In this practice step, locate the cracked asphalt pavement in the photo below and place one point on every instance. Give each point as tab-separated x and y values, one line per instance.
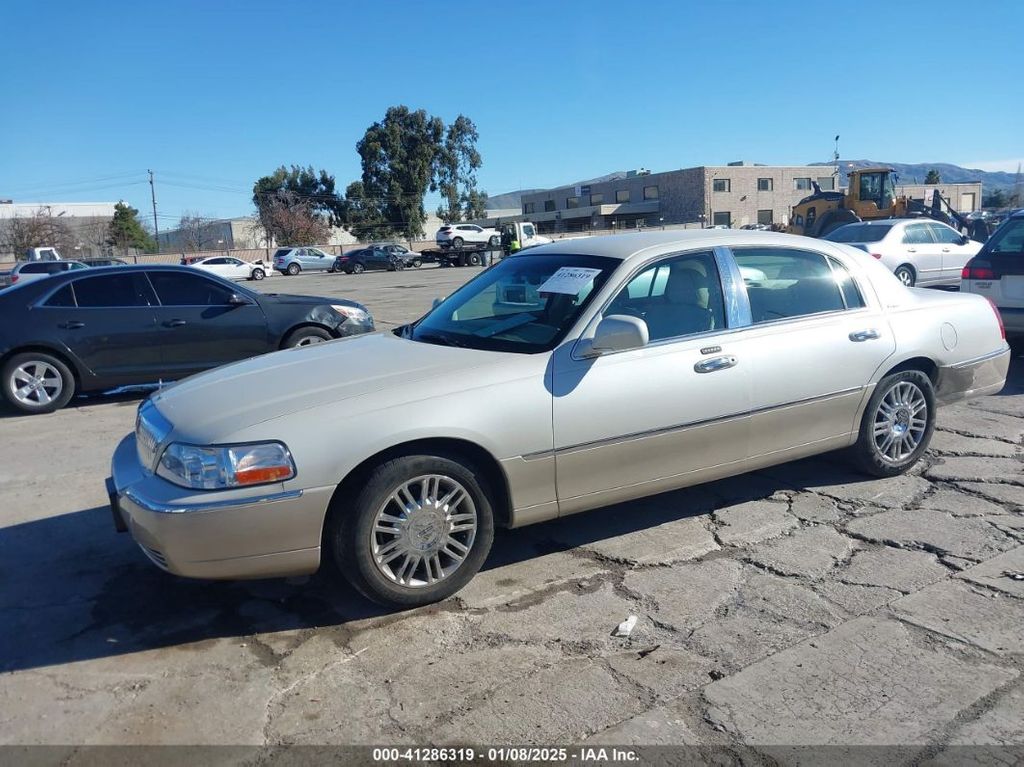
803	604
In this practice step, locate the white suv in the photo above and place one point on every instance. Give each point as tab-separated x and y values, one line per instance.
458	236
997	273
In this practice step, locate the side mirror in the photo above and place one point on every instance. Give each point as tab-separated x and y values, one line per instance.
964	239
619	332
436	303
237	300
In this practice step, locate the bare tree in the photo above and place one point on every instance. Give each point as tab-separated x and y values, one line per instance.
292	220
194	229
40	229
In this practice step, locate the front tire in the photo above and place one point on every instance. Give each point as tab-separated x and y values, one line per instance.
306	337
35	382
905	274
357	268
417	532
258	274
457	243
897	425
473	259
416	263
294	269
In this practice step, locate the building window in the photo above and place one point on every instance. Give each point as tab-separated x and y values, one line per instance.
765	184
528	207
722	218
549	205
597	199
650	193
827	183
572	202
622	195
764	216
802	184
721	185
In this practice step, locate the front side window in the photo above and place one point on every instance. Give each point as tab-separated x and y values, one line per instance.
524	304
783	283
114	290
944	234
528	230
677	297
175	289
1007	239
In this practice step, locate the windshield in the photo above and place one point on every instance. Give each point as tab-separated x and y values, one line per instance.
523	304
859	233
1007	239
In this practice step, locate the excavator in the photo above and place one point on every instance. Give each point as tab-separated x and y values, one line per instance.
872	195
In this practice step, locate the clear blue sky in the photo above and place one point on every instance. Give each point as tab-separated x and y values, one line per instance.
213	94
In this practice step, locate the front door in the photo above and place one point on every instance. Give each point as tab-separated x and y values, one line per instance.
200	327
815	342
922	252
646	420
954	252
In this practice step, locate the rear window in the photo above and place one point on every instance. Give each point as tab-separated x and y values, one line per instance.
1007	239
42	267
859	233
282	252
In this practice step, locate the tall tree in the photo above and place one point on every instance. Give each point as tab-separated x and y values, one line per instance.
474	204
38	230
932	177
455	170
403	156
126	231
296	199
194	230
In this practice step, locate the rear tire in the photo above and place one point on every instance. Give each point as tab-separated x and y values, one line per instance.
294	269
494	241
36	382
457	243
439	542
306	337
473	259
897	424
905	274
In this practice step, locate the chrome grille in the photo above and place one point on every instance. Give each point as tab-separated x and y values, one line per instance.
151	429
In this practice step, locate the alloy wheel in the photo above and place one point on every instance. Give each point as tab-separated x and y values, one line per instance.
309	340
36	383
424	531
901	419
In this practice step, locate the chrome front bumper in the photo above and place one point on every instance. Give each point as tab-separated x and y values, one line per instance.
259	532
973	378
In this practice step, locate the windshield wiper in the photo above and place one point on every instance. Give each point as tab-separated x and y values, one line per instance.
437	338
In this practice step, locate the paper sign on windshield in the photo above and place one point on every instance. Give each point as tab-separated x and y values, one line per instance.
569	280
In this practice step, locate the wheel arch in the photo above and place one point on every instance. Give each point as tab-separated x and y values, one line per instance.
299	326
920	363
62	355
480	457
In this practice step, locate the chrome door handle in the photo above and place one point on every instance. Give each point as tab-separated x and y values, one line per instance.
714	364
945	250
865	335
175	323
911	250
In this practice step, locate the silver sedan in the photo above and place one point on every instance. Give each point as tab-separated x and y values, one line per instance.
575	375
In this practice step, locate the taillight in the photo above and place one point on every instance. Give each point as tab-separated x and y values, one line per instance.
999	317
978	270
877	255
14	278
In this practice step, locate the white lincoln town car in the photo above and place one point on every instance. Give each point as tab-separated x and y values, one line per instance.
572	376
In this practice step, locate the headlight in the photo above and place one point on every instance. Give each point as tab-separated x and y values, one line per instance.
352	312
217	468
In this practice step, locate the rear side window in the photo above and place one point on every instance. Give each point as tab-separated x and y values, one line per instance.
917	234
847	285
1007	239
188	290
785	283
42	267
62	298
113	290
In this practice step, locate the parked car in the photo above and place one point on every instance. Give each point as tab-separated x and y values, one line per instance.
231	268
98	329
458	236
918	251
997	273
104	262
376	257
632	364
28	271
294	260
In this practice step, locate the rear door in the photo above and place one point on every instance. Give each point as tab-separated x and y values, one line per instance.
199	326
108	322
815	341
922	252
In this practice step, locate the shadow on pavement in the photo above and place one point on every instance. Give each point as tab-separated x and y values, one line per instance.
75	590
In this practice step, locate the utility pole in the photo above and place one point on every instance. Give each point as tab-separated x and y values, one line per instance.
156	226
835	159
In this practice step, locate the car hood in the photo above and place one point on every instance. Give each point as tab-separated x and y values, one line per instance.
210	406
288	298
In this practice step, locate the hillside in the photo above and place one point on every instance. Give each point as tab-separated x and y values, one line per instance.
950	174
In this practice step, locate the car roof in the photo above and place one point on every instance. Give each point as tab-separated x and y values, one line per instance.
643	244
